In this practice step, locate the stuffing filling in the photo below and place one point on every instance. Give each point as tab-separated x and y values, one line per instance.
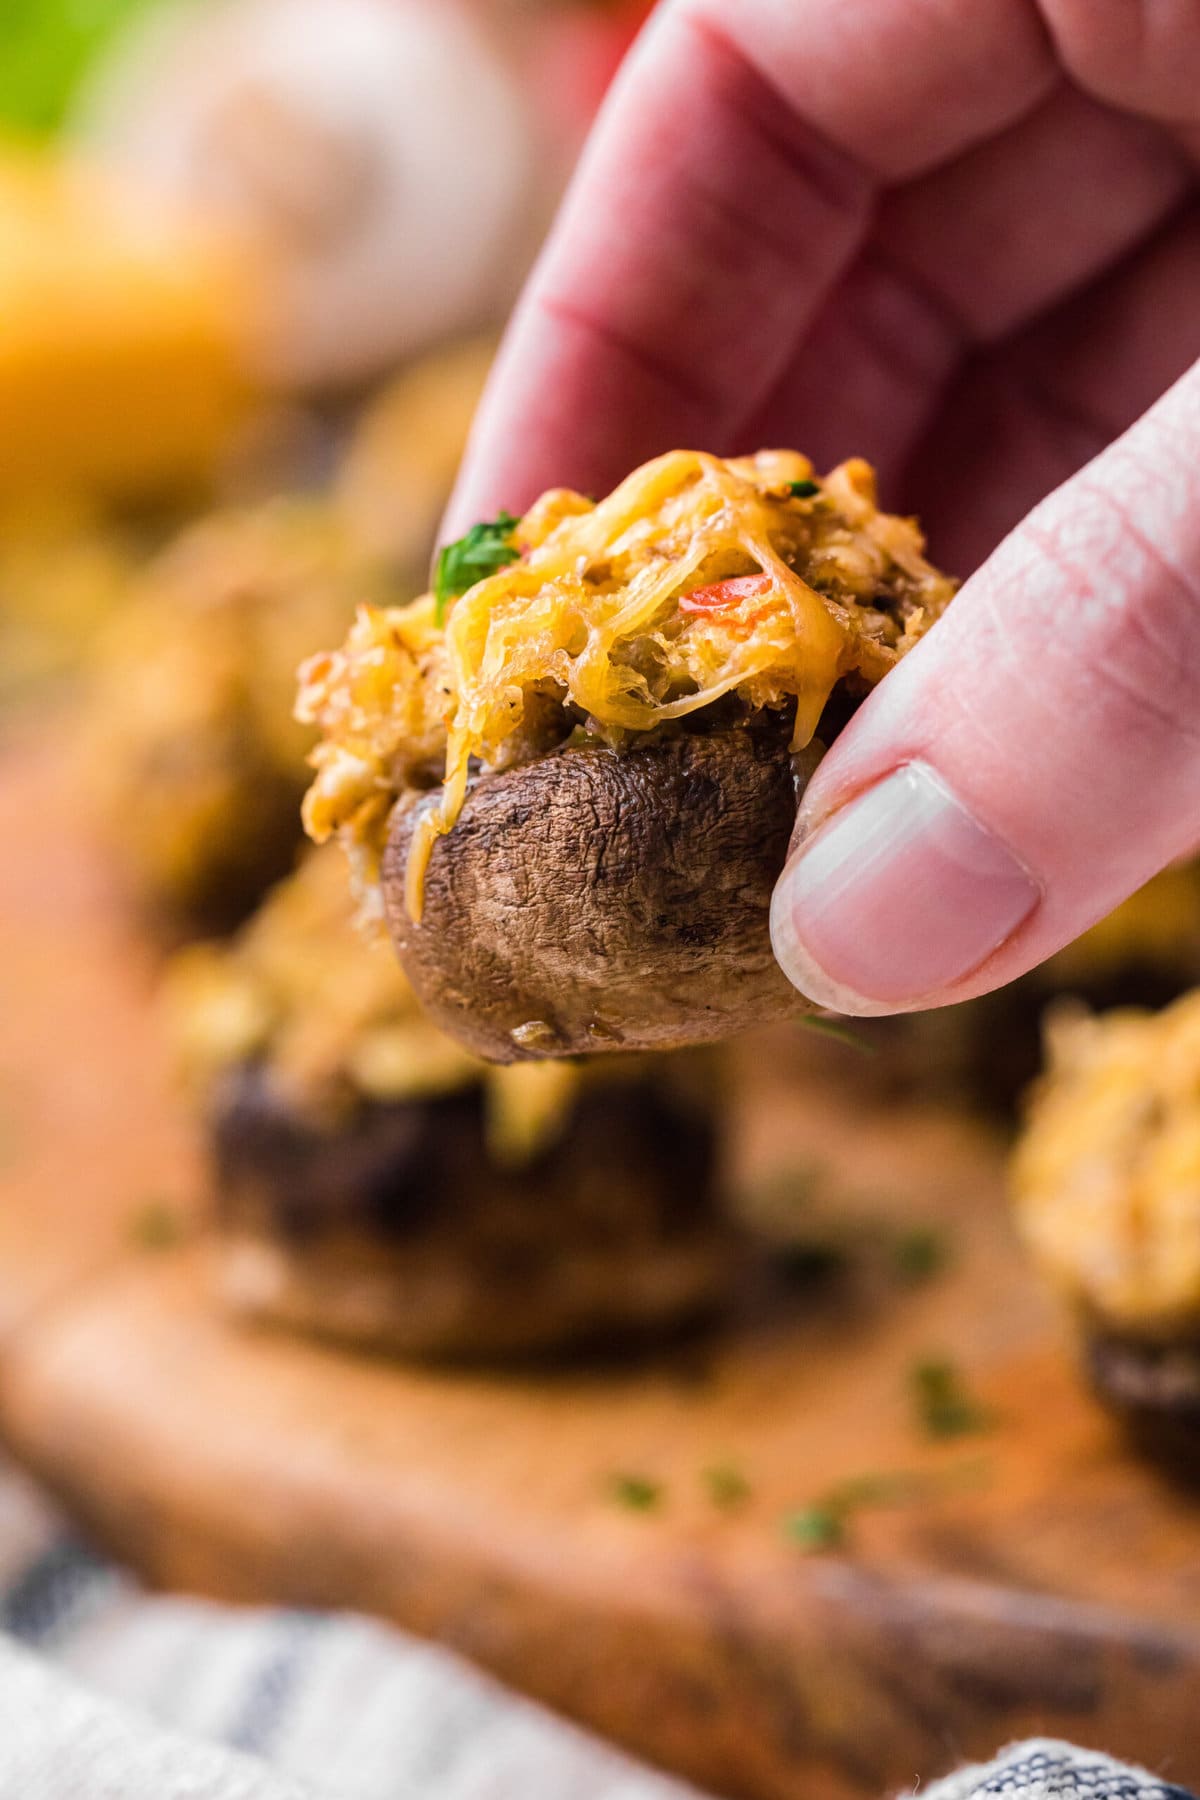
697	579
1107	1175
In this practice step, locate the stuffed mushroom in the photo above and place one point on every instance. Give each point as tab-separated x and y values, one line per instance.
568	776
1107	1191
193	761
375	1183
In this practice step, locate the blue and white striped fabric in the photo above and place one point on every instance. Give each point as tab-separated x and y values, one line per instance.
109	1693
345	1706
1053	1771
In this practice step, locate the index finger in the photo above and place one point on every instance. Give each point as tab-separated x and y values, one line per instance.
729	182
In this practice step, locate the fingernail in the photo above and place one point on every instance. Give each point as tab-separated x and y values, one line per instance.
897	896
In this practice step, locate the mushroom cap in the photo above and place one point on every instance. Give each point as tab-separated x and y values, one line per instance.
603	900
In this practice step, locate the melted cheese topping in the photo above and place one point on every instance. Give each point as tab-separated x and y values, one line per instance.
621	616
1107	1175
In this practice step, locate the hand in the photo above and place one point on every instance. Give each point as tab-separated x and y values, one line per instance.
961	237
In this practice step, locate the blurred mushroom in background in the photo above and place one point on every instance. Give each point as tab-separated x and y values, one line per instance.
194	764
375	1183
385	158
1106	1185
223	223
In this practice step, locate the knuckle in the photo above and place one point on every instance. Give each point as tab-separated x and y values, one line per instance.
1143	54
1130	643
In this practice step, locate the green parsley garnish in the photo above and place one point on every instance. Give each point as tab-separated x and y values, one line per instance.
888	1487
636	1492
487	547
803	490
943	1404
919	1254
842	1034
727	1486
816	1528
825	1525
155	1226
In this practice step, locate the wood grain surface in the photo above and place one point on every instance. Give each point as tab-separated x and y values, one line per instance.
1031	1574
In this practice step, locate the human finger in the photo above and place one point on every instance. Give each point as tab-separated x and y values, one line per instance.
1031	763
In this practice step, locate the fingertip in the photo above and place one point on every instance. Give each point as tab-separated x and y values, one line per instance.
897	898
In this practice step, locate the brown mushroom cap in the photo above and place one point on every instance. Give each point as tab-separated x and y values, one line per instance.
401	1230
1154	1388
600	900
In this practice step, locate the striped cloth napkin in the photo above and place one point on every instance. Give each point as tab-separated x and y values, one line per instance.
110	1693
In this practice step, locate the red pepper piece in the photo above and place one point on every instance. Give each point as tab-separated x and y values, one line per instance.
726	593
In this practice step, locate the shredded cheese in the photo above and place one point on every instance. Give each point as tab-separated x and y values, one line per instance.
588	625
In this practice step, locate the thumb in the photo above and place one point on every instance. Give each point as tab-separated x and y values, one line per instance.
1033	761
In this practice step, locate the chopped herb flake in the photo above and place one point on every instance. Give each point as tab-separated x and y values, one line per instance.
803	490
825	1525
944	1406
636	1492
155	1226
889	1488
834	1028
919	1254
727	1486
487	547
816	1528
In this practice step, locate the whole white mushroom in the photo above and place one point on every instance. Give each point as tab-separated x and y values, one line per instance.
380	156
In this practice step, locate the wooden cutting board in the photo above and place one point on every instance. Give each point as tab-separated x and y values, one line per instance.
565	1528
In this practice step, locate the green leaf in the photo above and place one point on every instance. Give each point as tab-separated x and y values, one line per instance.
804	490
488	546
